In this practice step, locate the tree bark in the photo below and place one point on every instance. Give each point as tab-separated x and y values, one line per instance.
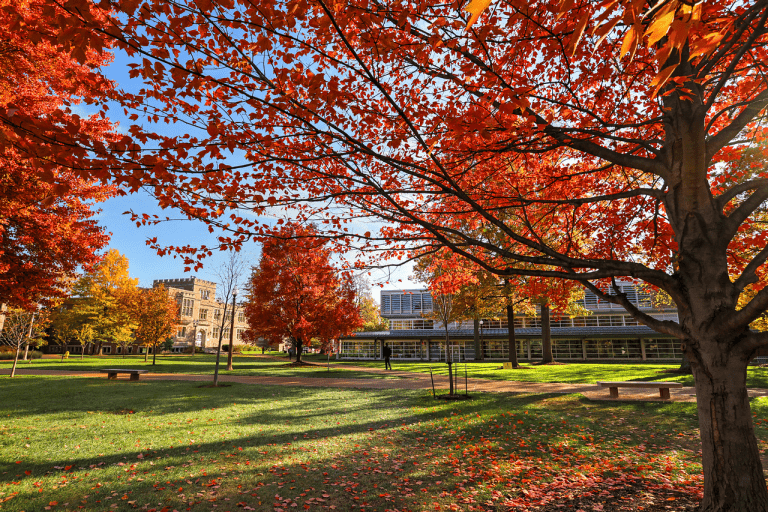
154	354
449	360
15	361
546	335
733	472
298	345
26	350
685	365
511	334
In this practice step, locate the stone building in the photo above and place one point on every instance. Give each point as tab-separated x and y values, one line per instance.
201	315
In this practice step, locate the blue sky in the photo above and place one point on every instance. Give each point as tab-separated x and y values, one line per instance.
130	240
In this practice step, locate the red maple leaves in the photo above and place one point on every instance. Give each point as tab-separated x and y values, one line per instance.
295	293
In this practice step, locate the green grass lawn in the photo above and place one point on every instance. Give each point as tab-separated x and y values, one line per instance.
257	365
570	373
201	364
95	445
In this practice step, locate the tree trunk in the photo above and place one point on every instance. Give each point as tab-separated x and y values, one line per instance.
15	361
146	355
733	473
298	346
685	365
546	336
218	357
449	359
154	354
511	334
26	350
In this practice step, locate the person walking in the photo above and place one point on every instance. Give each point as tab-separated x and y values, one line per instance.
387	354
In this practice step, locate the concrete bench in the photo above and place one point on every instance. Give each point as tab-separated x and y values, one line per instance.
112	373
663	387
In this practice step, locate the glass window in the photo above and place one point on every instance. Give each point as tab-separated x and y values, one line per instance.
203	314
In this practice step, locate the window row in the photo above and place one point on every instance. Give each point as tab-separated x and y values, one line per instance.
562	349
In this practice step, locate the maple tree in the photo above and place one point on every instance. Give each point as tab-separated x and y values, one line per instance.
156	315
46	153
618	126
296	293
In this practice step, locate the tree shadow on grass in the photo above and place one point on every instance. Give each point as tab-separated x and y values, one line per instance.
281	465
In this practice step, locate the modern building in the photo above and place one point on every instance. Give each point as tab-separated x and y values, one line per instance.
201	315
607	333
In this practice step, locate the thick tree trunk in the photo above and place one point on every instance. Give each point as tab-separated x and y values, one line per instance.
26	351
546	336
299	346
733	473
685	365
511	333
154	354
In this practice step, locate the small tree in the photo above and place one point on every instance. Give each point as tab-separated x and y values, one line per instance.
156	317
229	274
19	328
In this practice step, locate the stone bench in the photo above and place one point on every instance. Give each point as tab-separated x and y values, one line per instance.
112	373
663	387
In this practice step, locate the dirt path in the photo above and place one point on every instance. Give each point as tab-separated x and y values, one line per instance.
404	380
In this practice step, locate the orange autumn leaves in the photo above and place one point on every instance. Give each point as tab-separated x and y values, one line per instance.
295	293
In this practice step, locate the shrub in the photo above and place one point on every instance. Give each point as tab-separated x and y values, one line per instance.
9	355
6	349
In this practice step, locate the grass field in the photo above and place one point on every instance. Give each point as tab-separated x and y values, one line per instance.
757	377
94	445
276	365
201	364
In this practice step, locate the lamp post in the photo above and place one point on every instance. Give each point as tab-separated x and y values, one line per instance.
482	347
232	330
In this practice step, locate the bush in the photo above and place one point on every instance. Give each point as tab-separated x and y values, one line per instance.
225	347
6	349
9	355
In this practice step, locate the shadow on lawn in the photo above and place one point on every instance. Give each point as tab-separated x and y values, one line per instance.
410	431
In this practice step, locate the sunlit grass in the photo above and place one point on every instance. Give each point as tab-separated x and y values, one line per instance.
757	377
119	445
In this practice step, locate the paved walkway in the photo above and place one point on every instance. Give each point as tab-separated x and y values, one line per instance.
405	380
